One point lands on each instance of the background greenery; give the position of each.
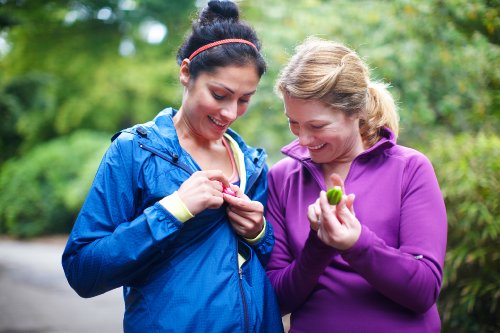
(74, 72)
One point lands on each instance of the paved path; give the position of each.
(36, 298)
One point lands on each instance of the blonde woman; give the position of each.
(373, 262)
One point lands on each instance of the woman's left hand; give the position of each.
(246, 216)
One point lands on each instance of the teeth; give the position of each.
(316, 147)
(216, 122)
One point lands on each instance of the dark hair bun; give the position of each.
(219, 10)
(217, 21)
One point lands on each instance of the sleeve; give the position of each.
(111, 244)
(174, 204)
(293, 277)
(259, 236)
(410, 275)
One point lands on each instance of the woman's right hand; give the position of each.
(336, 225)
(203, 190)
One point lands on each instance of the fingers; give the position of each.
(329, 220)
(211, 187)
(350, 203)
(345, 212)
(245, 215)
(216, 175)
(243, 206)
(202, 190)
(241, 201)
(311, 214)
(317, 208)
(337, 180)
(313, 217)
(236, 189)
(246, 226)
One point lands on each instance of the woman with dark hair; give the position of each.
(175, 213)
(372, 262)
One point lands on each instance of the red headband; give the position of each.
(220, 42)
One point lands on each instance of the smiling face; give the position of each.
(328, 134)
(214, 100)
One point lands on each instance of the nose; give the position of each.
(305, 138)
(230, 111)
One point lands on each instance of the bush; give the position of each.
(43, 190)
(468, 169)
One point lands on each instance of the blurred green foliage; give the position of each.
(468, 167)
(43, 190)
(64, 71)
(443, 74)
(74, 72)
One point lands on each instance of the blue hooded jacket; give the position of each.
(176, 277)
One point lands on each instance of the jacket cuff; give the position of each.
(259, 236)
(316, 254)
(362, 244)
(174, 204)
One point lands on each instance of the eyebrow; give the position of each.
(232, 91)
(311, 121)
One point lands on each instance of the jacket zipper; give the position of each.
(240, 270)
(167, 158)
(251, 181)
(244, 300)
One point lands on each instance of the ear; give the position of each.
(184, 74)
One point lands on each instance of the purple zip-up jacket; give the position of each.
(390, 279)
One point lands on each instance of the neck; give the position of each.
(188, 137)
(342, 164)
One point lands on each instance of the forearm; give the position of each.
(96, 261)
(294, 280)
(409, 279)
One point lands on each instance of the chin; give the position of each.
(318, 160)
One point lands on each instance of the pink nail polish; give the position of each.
(228, 190)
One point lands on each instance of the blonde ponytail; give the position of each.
(380, 112)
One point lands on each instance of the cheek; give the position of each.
(293, 129)
(206, 103)
(242, 110)
(330, 137)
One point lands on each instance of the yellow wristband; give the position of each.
(259, 236)
(174, 204)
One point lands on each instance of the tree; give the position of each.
(468, 169)
(65, 71)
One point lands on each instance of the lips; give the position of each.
(216, 122)
(316, 147)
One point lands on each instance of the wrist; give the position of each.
(174, 204)
(259, 235)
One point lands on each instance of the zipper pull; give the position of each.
(240, 272)
(142, 132)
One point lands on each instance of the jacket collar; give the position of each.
(160, 133)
